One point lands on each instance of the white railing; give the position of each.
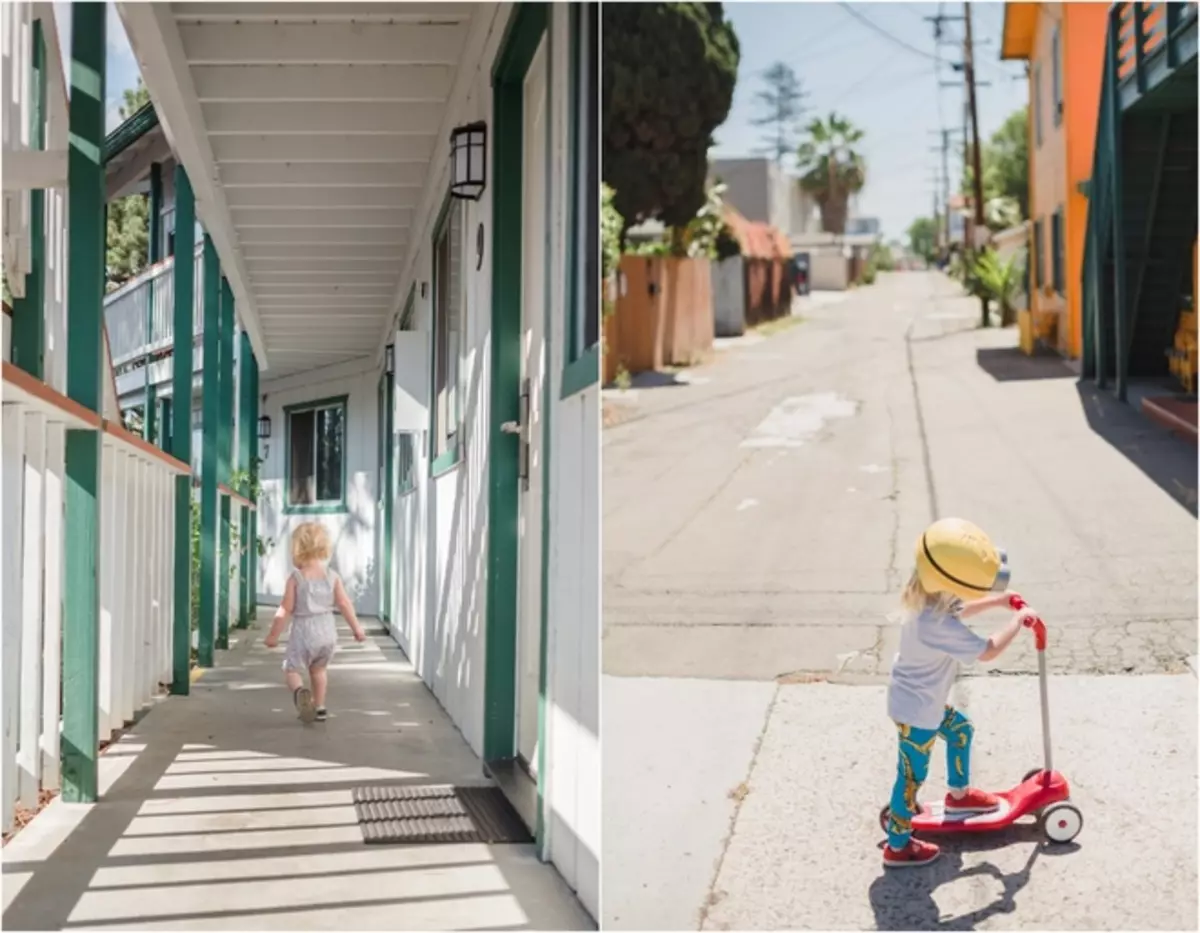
(16, 108)
(136, 577)
(149, 301)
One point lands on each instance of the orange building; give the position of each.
(1064, 44)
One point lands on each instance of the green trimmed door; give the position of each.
(533, 365)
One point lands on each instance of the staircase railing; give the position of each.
(140, 315)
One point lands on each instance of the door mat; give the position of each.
(437, 814)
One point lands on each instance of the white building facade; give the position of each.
(425, 336)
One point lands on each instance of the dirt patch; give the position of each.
(613, 414)
(24, 815)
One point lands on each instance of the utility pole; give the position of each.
(969, 75)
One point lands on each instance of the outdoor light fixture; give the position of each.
(468, 161)
(264, 427)
(389, 359)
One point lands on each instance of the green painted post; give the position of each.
(29, 313)
(85, 360)
(252, 582)
(245, 430)
(164, 421)
(224, 449)
(181, 425)
(209, 467)
(149, 418)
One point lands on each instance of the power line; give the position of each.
(883, 32)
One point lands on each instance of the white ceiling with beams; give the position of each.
(307, 130)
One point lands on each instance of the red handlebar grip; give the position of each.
(1017, 603)
(1039, 634)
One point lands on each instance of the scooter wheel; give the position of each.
(1061, 822)
(884, 816)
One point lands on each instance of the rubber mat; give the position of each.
(437, 814)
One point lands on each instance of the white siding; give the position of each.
(572, 792)
(354, 531)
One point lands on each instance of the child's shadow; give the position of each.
(903, 899)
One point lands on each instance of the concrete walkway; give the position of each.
(222, 811)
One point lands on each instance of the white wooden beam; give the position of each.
(342, 175)
(302, 254)
(247, 218)
(110, 596)
(331, 314)
(11, 476)
(326, 197)
(29, 755)
(33, 169)
(290, 291)
(255, 118)
(262, 270)
(355, 276)
(325, 236)
(348, 10)
(52, 607)
(332, 305)
(131, 616)
(301, 147)
(321, 43)
(275, 83)
(57, 126)
(155, 42)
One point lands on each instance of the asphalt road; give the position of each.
(759, 519)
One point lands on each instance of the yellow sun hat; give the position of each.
(955, 556)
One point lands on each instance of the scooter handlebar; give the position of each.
(1038, 626)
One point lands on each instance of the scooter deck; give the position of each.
(1026, 797)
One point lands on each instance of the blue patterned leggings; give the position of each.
(915, 746)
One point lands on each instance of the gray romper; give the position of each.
(313, 636)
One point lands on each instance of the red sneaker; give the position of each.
(914, 854)
(973, 801)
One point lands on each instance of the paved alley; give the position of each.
(222, 811)
(746, 642)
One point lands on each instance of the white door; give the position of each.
(529, 513)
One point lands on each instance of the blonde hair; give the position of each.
(916, 599)
(310, 541)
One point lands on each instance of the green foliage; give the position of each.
(668, 75)
(611, 225)
(128, 235)
(1004, 160)
(881, 258)
(922, 237)
(782, 103)
(998, 280)
(831, 169)
(649, 248)
(707, 235)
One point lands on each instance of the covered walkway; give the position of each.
(223, 811)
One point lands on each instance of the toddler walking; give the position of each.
(958, 571)
(311, 593)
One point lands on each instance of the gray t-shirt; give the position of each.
(932, 646)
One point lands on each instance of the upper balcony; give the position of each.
(1154, 41)
(140, 318)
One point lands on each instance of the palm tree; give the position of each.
(831, 169)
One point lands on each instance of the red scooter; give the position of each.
(1042, 792)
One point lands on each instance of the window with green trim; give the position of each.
(584, 331)
(316, 450)
(404, 466)
(447, 335)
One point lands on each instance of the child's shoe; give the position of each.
(914, 854)
(973, 801)
(304, 704)
(322, 714)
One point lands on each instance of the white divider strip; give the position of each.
(13, 427)
(52, 607)
(29, 759)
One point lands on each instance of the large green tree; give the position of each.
(831, 168)
(782, 105)
(667, 82)
(922, 237)
(1004, 159)
(128, 233)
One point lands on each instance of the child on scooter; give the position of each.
(309, 597)
(956, 566)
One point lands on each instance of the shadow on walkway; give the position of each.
(1010, 364)
(222, 811)
(1166, 459)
